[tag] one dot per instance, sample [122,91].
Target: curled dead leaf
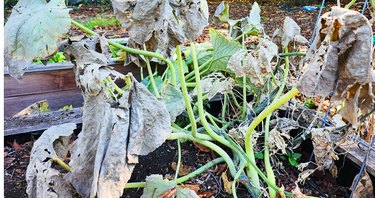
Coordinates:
[339,61]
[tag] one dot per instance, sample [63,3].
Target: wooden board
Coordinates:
[41,122]
[54,83]
[357,154]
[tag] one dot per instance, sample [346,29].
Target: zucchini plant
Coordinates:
[123,119]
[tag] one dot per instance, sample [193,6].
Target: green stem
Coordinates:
[184,178]
[210,145]
[244,95]
[200,101]
[350,4]
[224,109]
[203,66]
[178,160]
[267,163]
[132,50]
[61,163]
[235,101]
[151,75]
[272,107]
[292,54]
[185,93]
[236,178]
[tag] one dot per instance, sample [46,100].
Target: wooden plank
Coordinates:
[40,82]
[56,100]
[41,122]
[355,153]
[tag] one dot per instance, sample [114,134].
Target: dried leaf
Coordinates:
[214,84]
[276,141]
[290,32]
[222,12]
[364,188]
[304,175]
[202,148]
[184,169]
[242,63]
[254,17]
[16,146]
[43,180]
[114,132]
[339,61]
[337,120]
[226,183]
[323,147]
[23,42]
[296,192]
[161,24]
[267,51]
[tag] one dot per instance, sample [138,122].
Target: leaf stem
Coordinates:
[151,75]
[132,50]
[184,178]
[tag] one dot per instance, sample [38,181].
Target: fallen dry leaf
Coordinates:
[184,170]
[364,188]
[202,148]
[226,183]
[16,146]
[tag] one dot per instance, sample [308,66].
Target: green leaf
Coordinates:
[297,155]
[223,49]
[292,161]
[32,30]
[157,186]
[222,12]
[259,156]
[174,101]
[158,81]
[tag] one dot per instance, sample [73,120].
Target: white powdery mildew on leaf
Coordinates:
[161,24]
[42,180]
[114,132]
[32,30]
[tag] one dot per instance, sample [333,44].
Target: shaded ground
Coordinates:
[160,162]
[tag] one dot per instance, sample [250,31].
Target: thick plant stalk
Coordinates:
[251,172]
[200,102]
[267,163]
[133,51]
[185,93]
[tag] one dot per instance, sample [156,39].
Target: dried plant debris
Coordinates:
[291,32]
[243,63]
[214,84]
[276,141]
[43,180]
[156,187]
[115,131]
[339,61]
[20,34]
[365,188]
[161,24]
[323,148]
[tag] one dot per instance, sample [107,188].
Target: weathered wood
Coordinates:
[355,153]
[54,83]
[41,122]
